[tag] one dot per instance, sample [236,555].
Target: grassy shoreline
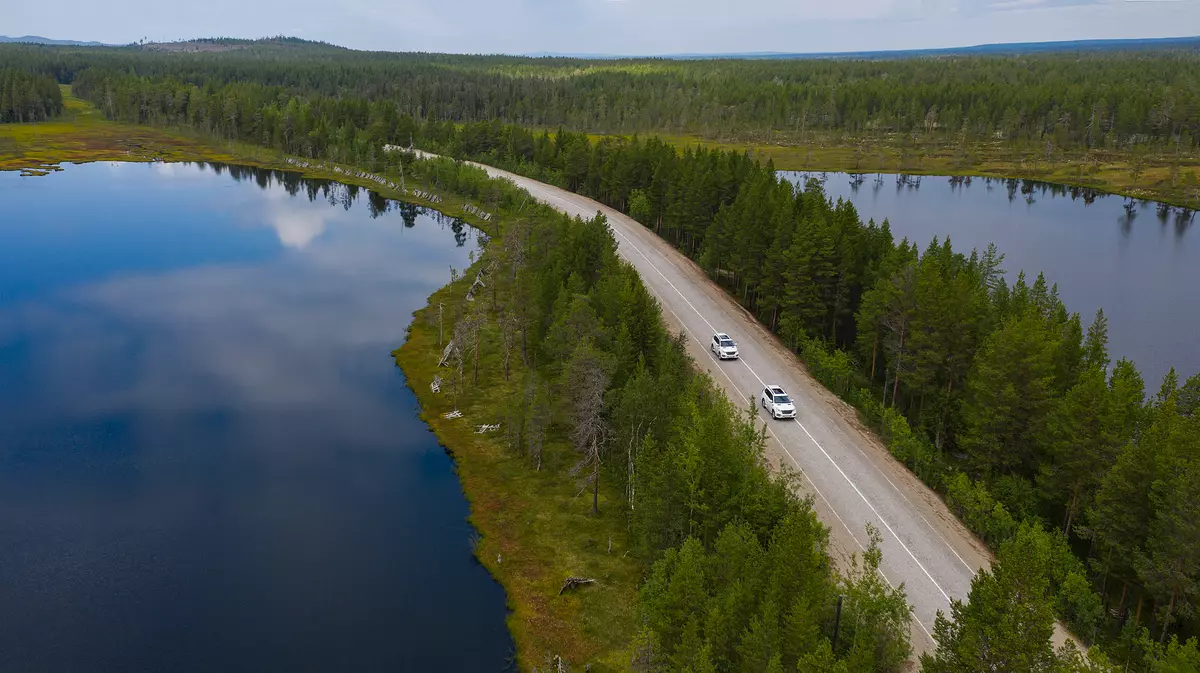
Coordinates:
[533,532]
[1103,170]
[535,527]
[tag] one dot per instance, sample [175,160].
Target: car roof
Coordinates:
[775,389]
[721,335]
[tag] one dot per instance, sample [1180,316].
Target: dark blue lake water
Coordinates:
[1139,261]
[207,458]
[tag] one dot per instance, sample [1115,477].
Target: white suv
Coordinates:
[777,403]
[723,347]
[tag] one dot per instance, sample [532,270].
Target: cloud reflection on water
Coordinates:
[249,336]
[207,460]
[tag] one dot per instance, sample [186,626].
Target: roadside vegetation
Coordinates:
[995,395]
[552,503]
[616,460]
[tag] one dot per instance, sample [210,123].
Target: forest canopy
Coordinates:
[26,97]
[1087,98]
[988,388]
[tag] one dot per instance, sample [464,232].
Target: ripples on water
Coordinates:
[1138,260]
[207,459]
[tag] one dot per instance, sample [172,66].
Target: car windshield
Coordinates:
[726,342]
[782,399]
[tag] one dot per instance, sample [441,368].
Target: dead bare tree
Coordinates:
[441,307]
[538,401]
[508,334]
[573,582]
[554,664]
[635,443]
[467,334]
[460,338]
[492,267]
[587,380]
[515,248]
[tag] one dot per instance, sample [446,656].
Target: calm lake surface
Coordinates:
[1138,261]
[207,458]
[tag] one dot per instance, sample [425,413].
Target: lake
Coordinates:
[1139,261]
[208,460]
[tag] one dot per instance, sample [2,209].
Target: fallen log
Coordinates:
[575,582]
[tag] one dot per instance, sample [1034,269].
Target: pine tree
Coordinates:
[1083,437]
[1095,346]
[1008,397]
[1169,566]
[1007,622]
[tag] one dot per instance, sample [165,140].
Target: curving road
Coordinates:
[852,478]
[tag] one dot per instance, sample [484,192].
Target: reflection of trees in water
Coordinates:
[1032,188]
[338,194]
[1030,191]
[1129,209]
[1184,217]
[1163,210]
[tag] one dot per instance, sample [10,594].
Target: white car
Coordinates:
[723,347]
[777,403]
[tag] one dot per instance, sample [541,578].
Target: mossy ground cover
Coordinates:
[536,526]
[1161,177]
[82,134]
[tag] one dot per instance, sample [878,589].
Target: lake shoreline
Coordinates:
[357,527]
[1104,171]
[538,629]
[534,531]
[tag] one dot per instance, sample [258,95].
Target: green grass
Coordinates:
[536,526]
[82,134]
[1160,177]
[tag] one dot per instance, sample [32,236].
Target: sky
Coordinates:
[615,27]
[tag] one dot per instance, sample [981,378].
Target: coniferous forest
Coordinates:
[1095,99]
[994,393]
[28,97]
[1083,477]
[738,573]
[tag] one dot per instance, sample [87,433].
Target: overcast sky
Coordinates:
[610,26]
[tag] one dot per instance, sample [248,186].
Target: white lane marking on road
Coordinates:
[788,451]
[554,197]
[822,412]
[918,511]
[806,432]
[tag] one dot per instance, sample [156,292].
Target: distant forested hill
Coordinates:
[35,39]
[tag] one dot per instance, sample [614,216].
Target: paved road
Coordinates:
[854,482]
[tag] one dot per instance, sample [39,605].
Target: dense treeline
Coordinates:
[1084,99]
[992,392]
[28,97]
[987,391]
[739,576]
[740,579]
